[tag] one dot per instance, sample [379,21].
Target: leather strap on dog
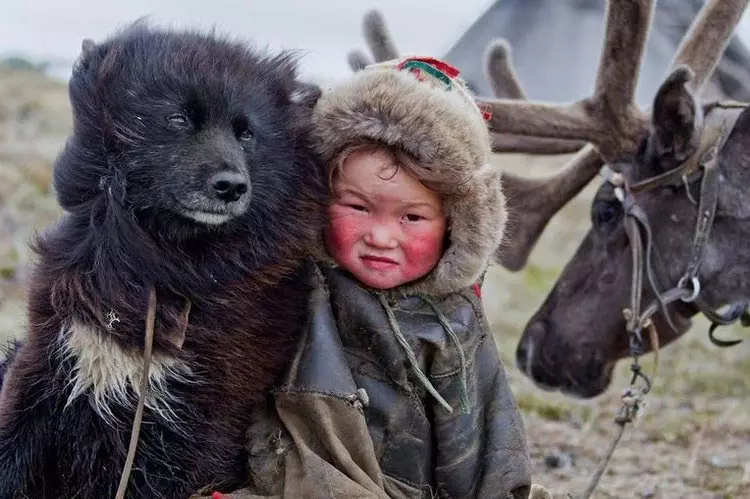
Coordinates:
[136,429]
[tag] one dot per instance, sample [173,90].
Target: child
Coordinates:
[397,389]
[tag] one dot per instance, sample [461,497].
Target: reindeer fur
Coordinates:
[125,178]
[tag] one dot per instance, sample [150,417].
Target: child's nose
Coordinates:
[381,236]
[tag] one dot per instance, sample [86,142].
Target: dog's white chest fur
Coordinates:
[110,375]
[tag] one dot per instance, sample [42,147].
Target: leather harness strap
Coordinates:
[719,123]
[142,394]
[721,120]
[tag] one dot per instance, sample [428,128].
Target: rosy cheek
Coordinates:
[344,230]
[423,249]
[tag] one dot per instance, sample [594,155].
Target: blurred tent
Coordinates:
[555,46]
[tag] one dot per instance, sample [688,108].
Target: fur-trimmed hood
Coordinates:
[419,106]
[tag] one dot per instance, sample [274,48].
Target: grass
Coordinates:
[692,440]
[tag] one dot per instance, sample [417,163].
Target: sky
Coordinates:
[325,29]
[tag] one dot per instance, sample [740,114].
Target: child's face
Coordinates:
[385,229]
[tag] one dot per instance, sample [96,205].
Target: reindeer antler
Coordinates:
[499,71]
[609,119]
[704,43]
[378,40]
[533,202]
[378,37]
[357,60]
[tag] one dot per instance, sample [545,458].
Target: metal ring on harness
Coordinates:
[620,194]
[695,285]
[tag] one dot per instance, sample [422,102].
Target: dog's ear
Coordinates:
[305,94]
[92,82]
[90,53]
[285,70]
[87,45]
[90,73]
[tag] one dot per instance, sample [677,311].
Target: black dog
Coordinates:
[189,170]
[8,352]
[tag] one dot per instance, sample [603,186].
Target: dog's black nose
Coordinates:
[229,186]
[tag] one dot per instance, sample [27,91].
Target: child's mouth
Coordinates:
[378,262]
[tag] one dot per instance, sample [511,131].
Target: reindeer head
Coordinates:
[646,219]
[580,331]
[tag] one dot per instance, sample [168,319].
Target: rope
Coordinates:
[604,462]
[136,429]
[631,403]
[654,337]
[464,390]
[410,354]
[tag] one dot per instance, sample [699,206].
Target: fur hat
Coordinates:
[420,106]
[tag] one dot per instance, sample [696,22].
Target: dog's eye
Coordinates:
[241,126]
[246,135]
[178,120]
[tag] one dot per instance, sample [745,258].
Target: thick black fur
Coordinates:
[8,351]
[156,113]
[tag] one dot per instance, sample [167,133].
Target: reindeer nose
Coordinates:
[229,186]
[522,353]
[525,350]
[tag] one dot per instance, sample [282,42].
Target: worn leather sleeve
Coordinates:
[314,441]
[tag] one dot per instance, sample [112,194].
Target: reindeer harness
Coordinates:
[720,120]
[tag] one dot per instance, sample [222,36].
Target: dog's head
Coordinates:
[183,129]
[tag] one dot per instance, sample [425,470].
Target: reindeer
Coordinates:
[667,227]
[667,223]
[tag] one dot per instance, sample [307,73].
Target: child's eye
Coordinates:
[357,207]
[413,218]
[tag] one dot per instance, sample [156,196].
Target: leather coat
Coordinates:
[401,397]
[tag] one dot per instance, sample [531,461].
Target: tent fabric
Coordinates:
[556,45]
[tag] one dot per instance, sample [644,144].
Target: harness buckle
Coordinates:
[694,287]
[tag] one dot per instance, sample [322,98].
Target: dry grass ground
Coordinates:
[693,440]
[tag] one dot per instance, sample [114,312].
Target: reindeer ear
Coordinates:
[675,122]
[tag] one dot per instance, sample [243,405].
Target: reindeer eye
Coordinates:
[605,213]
